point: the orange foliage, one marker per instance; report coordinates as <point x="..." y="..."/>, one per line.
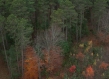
<point x="52" y="62"/>
<point x="89" y="72"/>
<point x="30" y="64"/>
<point x="103" y="65"/>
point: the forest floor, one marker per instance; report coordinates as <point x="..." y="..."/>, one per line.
<point x="4" y="74"/>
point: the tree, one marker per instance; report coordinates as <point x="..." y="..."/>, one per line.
<point x="80" y="6"/>
<point x="22" y="8"/>
<point x="103" y="27"/>
<point x="65" y="15"/>
<point x="48" y="40"/>
<point x="2" y="25"/>
<point x="30" y="64"/>
<point x="44" y="9"/>
<point x="18" y="24"/>
<point x="19" y="30"/>
<point x="97" y="11"/>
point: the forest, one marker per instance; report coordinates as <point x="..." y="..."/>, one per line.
<point x="54" y="39"/>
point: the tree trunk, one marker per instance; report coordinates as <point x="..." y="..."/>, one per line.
<point x="76" y="32"/>
<point x="22" y="60"/>
<point x="81" y="21"/>
<point x="39" y="73"/>
<point x="66" y="33"/>
<point x="10" y="68"/>
<point x="17" y="59"/>
<point x="6" y="54"/>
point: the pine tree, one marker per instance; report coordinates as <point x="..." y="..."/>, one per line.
<point x="98" y="10"/>
<point x="64" y="15"/>
<point x="2" y="34"/>
<point x="22" y="8"/>
<point x="19" y="26"/>
<point x="19" y="30"/>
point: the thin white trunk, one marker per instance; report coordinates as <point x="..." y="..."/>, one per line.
<point x="17" y="59"/>
<point x="10" y="68"/>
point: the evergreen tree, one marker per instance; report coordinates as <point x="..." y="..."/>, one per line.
<point x="22" y="8"/>
<point x="2" y="34"/>
<point x="98" y="10"/>
<point x="64" y="15"/>
<point x="19" y="30"/>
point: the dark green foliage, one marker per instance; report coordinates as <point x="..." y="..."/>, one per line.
<point x="85" y="30"/>
<point x="66" y="53"/>
<point x="19" y="30"/>
<point x="66" y="48"/>
<point x="12" y="60"/>
<point x="22" y="8"/>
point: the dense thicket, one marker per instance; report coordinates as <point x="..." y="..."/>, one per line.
<point x="45" y="24"/>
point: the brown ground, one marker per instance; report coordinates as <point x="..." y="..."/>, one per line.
<point x="4" y="74"/>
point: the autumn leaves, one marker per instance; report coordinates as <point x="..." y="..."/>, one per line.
<point x="90" y="62"/>
<point x="87" y="59"/>
<point x="83" y="65"/>
<point x="33" y="64"/>
<point x="30" y="64"/>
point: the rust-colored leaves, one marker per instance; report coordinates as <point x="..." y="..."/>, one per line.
<point x="30" y="65"/>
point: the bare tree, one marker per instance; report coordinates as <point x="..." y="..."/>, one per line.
<point x="103" y="26"/>
<point x="48" y="39"/>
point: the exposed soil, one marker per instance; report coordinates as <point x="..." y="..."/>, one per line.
<point x="4" y="74"/>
